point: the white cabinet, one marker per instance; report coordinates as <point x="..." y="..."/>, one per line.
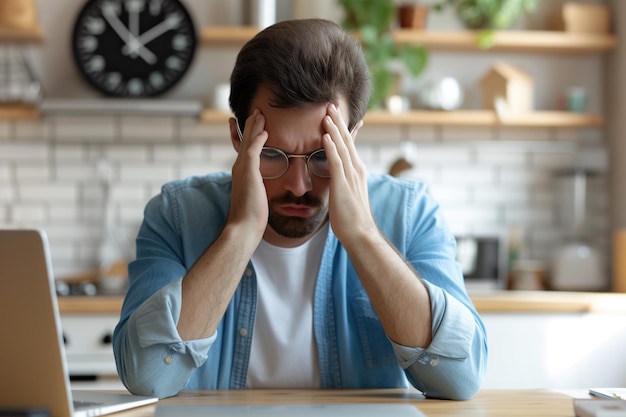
<point x="88" y="344"/>
<point x="555" y="350"/>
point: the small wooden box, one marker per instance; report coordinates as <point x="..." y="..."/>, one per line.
<point x="581" y="18"/>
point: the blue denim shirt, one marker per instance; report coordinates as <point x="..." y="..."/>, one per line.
<point x="353" y="349"/>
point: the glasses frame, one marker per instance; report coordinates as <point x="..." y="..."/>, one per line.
<point x="288" y="156"/>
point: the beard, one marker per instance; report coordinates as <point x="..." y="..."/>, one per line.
<point x="293" y="226"/>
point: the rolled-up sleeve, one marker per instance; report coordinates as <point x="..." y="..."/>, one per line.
<point x="151" y="357"/>
<point x="452" y="366"/>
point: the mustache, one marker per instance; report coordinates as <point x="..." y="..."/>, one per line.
<point x="305" y="199"/>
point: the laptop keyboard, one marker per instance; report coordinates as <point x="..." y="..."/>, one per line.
<point x="85" y="404"/>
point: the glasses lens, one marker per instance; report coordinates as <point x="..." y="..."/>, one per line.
<point x="318" y="164"/>
<point x="274" y="163"/>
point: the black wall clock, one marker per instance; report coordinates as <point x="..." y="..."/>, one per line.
<point x="133" y="48"/>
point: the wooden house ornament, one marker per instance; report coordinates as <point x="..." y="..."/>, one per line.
<point x="507" y="90"/>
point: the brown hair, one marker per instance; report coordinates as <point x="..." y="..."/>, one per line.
<point x="301" y="61"/>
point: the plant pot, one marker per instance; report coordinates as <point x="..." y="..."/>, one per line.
<point x="412" y="16"/>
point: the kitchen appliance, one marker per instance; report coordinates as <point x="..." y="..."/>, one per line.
<point x="483" y="261"/>
<point x="576" y="265"/>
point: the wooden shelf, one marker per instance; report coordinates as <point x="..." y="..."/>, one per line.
<point x="90" y="305"/>
<point x="512" y="41"/>
<point x="227" y="35"/>
<point x="18" y="112"/>
<point x="459" y="118"/>
<point x="9" y="35"/>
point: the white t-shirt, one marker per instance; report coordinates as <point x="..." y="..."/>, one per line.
<point x="284" y="353"/>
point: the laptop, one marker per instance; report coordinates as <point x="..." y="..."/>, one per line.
<point x="32" y="355"/>
<point x="290" y="410"/>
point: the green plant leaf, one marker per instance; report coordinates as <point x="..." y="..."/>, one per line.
<point x="485" y="39"/>
<point x="415" y="58"/>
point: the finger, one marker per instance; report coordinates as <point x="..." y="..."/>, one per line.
<point x="335" y="163"/>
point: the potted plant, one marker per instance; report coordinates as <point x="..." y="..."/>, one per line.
<point x="371" y="20"/>
<point x="488" y="15"/>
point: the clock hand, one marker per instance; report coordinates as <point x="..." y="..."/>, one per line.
<point x="134" y="7"/>
<point x="137" y="48"/>
<point x="170" y="22"/>
<point x="108" y="11"/>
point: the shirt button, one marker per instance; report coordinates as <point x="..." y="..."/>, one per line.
<point x="248" y="272"/>
<point x="243" y="332"/>
<point x="434" y="362"/>
<point x="168" y="359"/>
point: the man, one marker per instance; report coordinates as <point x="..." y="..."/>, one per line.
<point x="298" y="269"/>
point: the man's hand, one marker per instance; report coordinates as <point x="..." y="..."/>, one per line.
<point x="249" y="200"/>
<point x="349" y="209"/>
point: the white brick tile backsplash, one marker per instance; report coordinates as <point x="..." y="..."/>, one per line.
<point x="150" y="129"/>
<point x="24" y="152"/>
<point x="131" y="213"/>
<point x="526" y="177"/>
<point x="468" y="174"/>
<point x="153" y="173"/>
<point x="63" y="212"/>
<point x="464" y="134"/>
<point x="382" y="134"/>
<point x="29" y="171"/>
<point x="422" y="133"/>
<point x="525" y="214"/>
<point x="63" y="153"/>
<point x="192" y="131"/>
<point x="184" y="153"/>
<point x="506" y="159"/>
<point x="33" y="214"/>
<point x="127" y="193"/>
<point x="196" y="169"/>
<point x="127" y="153"/>
<point x="486" y="179"/>
<point x="7" y="192"/>
<point x="31" y="192"/>
<point x="5" y="172"/>
<point x="566" y="134"/>
<point x="76" y="171"/>
<point x="85" y="129"/>
<point x="450" y="194"/>
<point x="33" y="130"/>
<point x="505" y="133"/>
<point x="500" y="195"/>
<point x="552" y="161"/>
<point x="5" y="130"/>
<point x="443" y="155"/>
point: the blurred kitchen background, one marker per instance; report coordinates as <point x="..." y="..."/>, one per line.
<point x="518" y="198"/>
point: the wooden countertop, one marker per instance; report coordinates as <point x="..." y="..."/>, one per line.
<point x="487" y="403"/>
<point x="485" y="302"/>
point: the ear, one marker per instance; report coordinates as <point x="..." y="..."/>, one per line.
<point x="234" y="136"/>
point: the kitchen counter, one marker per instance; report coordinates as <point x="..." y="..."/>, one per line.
<point x="485" y="302"/>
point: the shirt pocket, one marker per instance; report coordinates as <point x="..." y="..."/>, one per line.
<point x="377" y="349"/>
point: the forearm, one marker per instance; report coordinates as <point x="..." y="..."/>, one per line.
<point x="151" y="357"/>
<point x="453" y="366"/>
<point x="397" y="293"/>
<point x="210" y="284"/>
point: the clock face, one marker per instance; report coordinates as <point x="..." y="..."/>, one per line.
<point x="133" y="48"/>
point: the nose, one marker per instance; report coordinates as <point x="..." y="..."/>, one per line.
<point x="297" y="178"/>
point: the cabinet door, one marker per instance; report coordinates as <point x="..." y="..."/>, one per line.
<point x="555" y="350"/>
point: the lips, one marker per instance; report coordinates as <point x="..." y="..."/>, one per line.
<point x="295" y="210"/>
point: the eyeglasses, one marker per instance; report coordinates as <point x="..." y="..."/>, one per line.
<point x="275" y="162"/>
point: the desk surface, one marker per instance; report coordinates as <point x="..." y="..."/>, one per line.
<point x="487" y="403"/>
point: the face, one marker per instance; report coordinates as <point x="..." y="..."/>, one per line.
<point x="298" y="200"/>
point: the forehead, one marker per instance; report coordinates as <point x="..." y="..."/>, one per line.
<point x="303" y="118"/>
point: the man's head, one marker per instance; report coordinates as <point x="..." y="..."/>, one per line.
<point x="301" y="62"/>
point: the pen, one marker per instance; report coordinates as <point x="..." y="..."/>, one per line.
<point x="618" y="396"/>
